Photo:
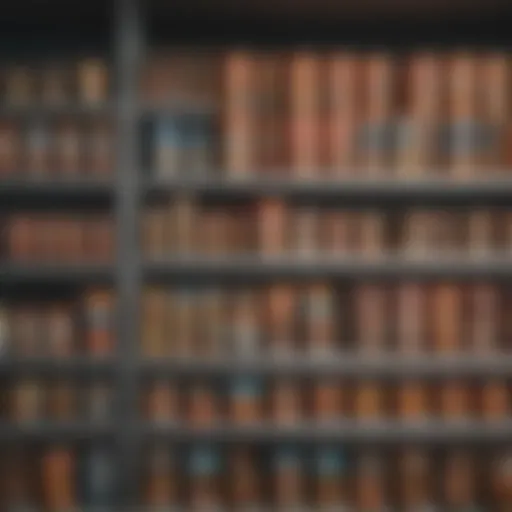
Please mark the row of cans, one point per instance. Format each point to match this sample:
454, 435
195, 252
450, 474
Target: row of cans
273, 226
54, 83
316, 317
60, 149
59, 329
57, 478
204, 478
327, 479
289, 402
58, 237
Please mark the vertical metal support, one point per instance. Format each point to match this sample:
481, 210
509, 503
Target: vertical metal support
128, 50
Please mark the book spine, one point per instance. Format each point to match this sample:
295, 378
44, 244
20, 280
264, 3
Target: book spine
465, 132
304, 114
376, 137
99, 310
343, 79
286, 402
239, 114
92, 81
155, 311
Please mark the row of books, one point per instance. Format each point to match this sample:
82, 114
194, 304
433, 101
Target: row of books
287, 401
60, 150
54, 83
409, 317
57, 478
58, 237
315, 114
59, 329
273, 226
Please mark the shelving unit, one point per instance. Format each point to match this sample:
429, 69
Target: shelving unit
129, 26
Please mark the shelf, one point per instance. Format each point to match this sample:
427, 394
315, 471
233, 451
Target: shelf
42, 431
386, 366
257, 269
29, 192
379, 432
75, 368
351, 192
47, 111
45, 273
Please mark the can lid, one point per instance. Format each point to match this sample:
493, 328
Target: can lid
204, 461
330, 462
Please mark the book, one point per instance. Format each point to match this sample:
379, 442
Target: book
92, 81
155, 312
328, 397
412, 401
162, 402
368, 400
161, 478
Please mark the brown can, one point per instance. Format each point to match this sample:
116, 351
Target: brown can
327, 399
55, 85
370, 484
415, 488
19, 85
99, 238
161, 489
61, 332
10, 148
239, 113
58, 482
371, 317
286, 402
484, 315
27, 331
154, 315
38, 157
61, 400
27, 401
272, 227
93, 81
447, 309
98, 401
183, 214
320, 317
495, 400
281, 308
501, 480
245, 480
412, 401
185, 326
410, 318
304, 115
99, 160
344, 116
454, 400
245, 327
154, 234
246, 404
459, 480
288, 480
21, 230
99, 306
202, 405
162, 402
372, 234
306, 232
368, 401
